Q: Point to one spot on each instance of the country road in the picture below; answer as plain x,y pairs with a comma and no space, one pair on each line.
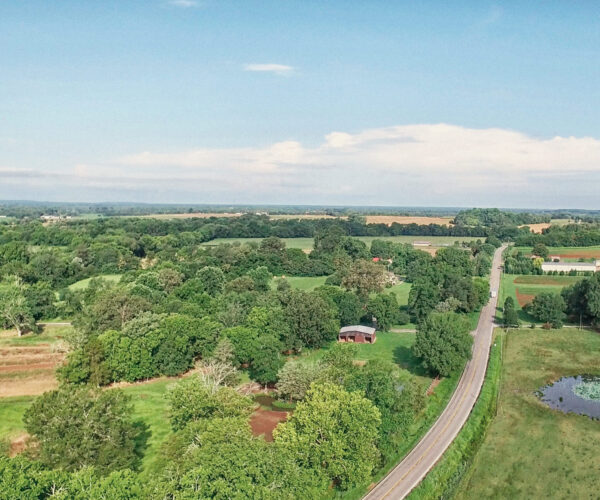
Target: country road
407,474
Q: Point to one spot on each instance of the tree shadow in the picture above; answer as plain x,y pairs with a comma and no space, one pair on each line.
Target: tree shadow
143,434
404,357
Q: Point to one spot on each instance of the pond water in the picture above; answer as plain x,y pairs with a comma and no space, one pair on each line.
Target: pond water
573,394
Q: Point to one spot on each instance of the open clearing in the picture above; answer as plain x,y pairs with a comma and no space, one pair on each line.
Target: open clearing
531,451
388,220
28,363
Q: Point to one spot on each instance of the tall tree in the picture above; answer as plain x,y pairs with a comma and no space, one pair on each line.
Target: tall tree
443,343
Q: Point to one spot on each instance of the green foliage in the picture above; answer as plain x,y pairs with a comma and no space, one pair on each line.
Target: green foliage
385,308
333,432
443,343
266,360
311,318
510,317
218,458
81,427
549,308
295,378
193,399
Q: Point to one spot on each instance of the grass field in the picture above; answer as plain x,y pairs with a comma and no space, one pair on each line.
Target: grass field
401,290
531,451
83,284
307,243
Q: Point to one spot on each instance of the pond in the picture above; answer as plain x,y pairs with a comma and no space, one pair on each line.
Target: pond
579,395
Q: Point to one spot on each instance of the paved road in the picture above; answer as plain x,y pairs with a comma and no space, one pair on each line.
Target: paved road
415,466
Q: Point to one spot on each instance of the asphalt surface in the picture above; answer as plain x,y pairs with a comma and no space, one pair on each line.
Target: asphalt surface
408,474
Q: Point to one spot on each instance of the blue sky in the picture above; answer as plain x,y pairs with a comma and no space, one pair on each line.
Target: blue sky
379,103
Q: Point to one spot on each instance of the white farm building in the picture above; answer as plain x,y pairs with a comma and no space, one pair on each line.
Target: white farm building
571,266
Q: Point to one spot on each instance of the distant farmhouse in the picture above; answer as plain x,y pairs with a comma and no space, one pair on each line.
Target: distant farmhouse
571,266
357,333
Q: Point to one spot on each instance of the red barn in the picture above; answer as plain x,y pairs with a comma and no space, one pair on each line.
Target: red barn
357,333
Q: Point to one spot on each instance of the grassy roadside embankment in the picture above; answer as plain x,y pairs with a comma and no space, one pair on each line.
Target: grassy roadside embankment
443,479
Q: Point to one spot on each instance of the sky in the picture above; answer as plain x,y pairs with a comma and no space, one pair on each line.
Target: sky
430,103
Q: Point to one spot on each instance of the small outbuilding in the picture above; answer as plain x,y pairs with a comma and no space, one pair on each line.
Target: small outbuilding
357,333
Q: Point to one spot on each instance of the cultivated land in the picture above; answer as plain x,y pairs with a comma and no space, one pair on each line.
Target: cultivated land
307,243
400,219
568,253
531,451
524,288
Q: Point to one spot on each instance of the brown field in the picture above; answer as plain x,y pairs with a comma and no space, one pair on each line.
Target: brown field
401,219
28,370
580,254
537,228
195,215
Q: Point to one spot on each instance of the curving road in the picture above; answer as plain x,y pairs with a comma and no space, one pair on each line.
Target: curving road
415,466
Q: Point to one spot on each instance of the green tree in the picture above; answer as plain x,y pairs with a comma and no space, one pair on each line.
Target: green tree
266,360
295,378
540,250
549,308
333,432
364,277
311,319
385,308
14,308
193,398
81,427
213,280
261,278
443,343
510,317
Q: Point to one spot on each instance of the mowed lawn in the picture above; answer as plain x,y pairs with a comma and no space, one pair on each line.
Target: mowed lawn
307,243
531,451
523,289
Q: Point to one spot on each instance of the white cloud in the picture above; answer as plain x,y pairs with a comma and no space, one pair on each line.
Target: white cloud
186,4
430,164
278,69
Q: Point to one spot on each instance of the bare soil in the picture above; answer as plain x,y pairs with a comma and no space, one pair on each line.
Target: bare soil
524,298
18,445
28,370
263,422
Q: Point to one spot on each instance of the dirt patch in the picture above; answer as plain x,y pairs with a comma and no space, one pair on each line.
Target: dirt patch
263,422
401,219
434,383
18,445
28,386
580,254
540,280
524,298
430,250
537,228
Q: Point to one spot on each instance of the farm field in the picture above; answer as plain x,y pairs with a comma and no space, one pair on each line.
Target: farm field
523,289
408,219
531,451
28,363
307,243
568,253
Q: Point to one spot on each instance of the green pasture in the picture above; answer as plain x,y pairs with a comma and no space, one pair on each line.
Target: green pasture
531,451
83,284
49,335
307,243
401,290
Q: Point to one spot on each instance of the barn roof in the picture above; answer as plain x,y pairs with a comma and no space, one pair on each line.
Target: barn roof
358,328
